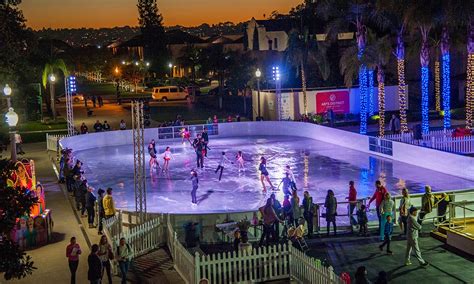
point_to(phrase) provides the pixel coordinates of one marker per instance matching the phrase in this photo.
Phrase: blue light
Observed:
(71, 83)
(446, 90)
(425, 123)
(276, 73)
(371, 92)
(363, 99)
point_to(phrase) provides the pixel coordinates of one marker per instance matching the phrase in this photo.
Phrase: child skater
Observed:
(264, 173)
(221, 165)
(167, 157)
(204, 147)
(186, 135)
(291, 176)
(195, 182)
(240, 161)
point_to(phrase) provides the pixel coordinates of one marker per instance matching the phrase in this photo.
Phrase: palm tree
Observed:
(301, 50)
(376, 56)
(49, 69)
(342, 14)
(422, 15)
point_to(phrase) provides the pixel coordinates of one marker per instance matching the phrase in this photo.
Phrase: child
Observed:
(221, 165)
(362, 220)
(388, 230)
(240, 161)
(167, 157)
(291, 176)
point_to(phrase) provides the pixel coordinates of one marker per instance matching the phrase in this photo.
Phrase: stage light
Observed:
(276, 73)
(425, 123)
(437, 86)
(446, 59)
(381, 90)
(371, 92)
(402, 99)
(71, 82)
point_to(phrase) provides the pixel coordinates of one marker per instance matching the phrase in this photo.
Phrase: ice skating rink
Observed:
(318, 166)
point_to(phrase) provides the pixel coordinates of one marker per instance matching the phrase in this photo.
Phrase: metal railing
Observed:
(175, 132)
(453, 224)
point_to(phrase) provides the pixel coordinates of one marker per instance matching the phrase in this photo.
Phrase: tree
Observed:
(14, 203)
(154, 40)
(49, 68)
(422, 15)
(191, 58)
(343, 14)
(303, 50)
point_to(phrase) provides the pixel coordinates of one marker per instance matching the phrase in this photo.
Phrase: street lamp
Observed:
(136, 63)
(123, 62)
(170, 65)
(258, 74)
(52, 79)
(11, 119)
(7, 91)
(116, 71)
(147, 64)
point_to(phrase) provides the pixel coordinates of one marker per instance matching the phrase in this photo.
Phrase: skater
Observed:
(186, 136)
(240, 161)
(221, 165)
(198, 147)
(286, 184)
(204, 147)
(291, 176)
(264, 173)
(205, 135)
(195, 181)
(167, 157)
(154, 164)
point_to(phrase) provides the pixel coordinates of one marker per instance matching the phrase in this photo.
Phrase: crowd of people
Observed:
(86, 202)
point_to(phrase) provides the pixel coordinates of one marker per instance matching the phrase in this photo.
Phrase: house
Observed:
(263, 35)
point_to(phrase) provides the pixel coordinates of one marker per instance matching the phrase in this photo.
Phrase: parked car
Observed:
(76, 97)
(197, 90)
(168, 93)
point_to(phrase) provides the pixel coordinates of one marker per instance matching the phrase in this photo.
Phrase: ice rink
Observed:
(318, 166)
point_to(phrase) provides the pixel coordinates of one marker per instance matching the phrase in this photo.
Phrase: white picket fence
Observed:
(439, 140)
(183, 261)
(112, 227)
(52, 141)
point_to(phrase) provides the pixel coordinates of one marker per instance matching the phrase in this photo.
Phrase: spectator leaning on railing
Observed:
(108, 203)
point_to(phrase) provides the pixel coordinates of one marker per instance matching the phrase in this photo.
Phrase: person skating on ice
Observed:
(291, 176)
(222, 164)
(240, 161)
(154, 164)
(264, 173)
(186, 135)
(195, 183)
(204, 147)
(198, 147)
(167, 156)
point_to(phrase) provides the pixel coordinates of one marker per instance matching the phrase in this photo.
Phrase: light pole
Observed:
(277, 79)
(12, 119)
(7, 91)
(258, 74)
(52, 79)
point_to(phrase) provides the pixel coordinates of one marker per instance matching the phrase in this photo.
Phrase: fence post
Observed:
(197, 267)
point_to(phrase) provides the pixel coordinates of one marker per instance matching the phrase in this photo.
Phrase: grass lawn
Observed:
(107, 90)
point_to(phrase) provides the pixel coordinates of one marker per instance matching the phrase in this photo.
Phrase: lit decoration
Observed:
(71, 83)
(446, 90)
(425, 124)
(363, 99)
(381, 96)
(402, 95)
(276, 73)
(306, 170)
(371, 91)
(437, 86)
(470, 91)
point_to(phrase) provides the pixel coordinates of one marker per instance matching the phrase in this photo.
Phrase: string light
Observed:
(381, 90)
(446, 90)
(470, 91)
(363, 99)
(437, 86)
(371, 92)
(425, 123)
(402, 89)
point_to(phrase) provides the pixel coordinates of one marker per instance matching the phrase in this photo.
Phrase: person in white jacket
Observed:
(412, 238)
(222, 164)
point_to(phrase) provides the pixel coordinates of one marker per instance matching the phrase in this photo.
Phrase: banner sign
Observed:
(338, 101)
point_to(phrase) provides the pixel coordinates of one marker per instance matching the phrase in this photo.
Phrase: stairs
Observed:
(155, 267)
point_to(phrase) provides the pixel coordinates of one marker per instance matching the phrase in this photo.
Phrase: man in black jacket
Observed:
(94, 274)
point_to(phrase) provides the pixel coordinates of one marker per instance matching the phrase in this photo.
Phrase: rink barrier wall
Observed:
(448, 163)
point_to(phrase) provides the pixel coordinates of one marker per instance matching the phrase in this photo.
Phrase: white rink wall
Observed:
(448, 163)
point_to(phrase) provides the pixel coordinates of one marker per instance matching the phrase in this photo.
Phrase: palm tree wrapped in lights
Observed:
(446, 86)
(402, 87)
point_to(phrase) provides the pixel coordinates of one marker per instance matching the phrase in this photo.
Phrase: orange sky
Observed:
(111, 13)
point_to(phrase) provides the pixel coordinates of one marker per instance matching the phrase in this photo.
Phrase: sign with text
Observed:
(338, 101)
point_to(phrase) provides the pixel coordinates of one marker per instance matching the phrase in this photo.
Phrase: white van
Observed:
(169, 93)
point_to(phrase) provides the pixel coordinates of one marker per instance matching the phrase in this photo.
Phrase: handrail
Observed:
(452, 208)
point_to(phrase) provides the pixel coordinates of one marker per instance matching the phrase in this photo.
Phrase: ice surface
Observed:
(318, 166)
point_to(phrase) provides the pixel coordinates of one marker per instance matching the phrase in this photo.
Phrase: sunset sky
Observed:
(111, 13)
